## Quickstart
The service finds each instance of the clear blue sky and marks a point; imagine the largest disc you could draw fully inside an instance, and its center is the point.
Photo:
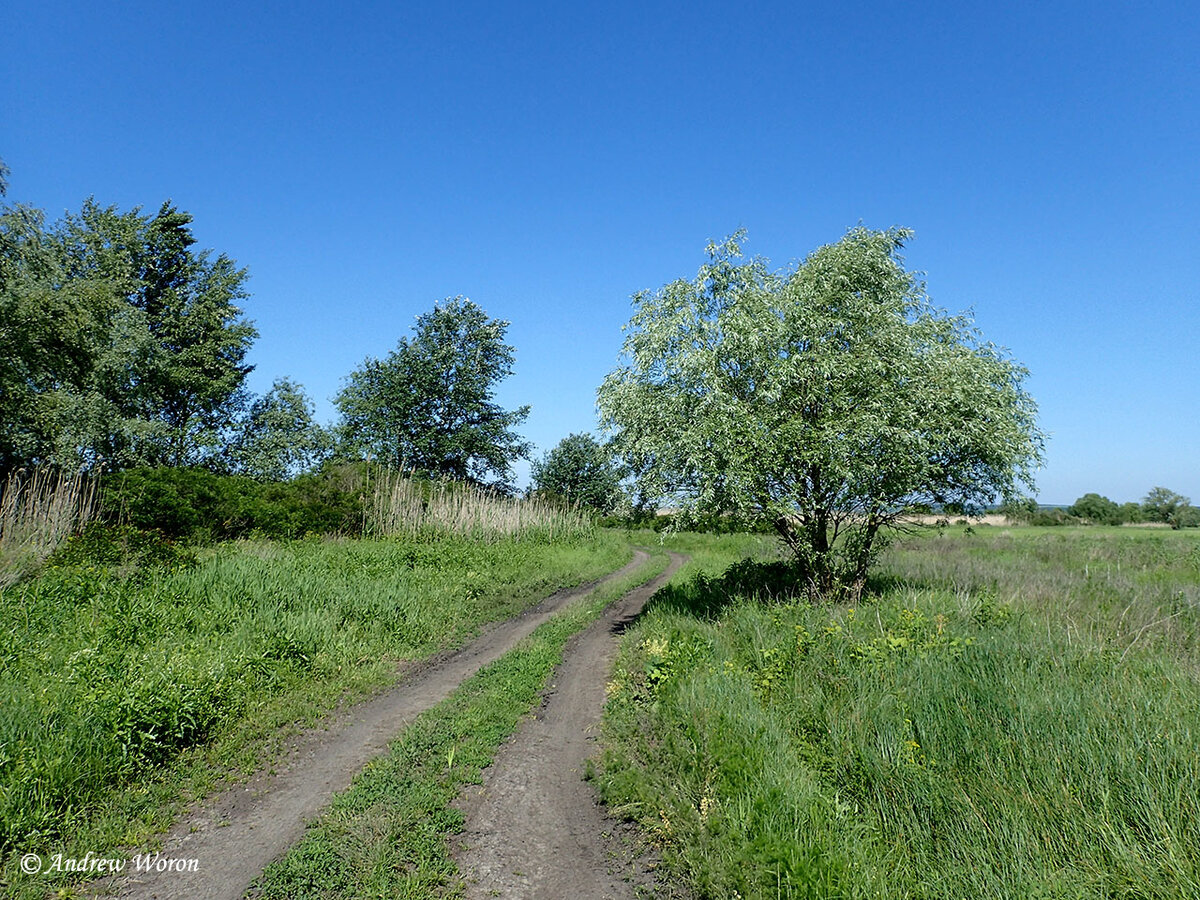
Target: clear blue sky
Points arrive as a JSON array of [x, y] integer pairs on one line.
[[548, 160]]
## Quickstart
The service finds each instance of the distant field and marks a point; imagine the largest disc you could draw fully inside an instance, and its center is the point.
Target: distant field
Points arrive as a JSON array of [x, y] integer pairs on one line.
[[1014, 713]]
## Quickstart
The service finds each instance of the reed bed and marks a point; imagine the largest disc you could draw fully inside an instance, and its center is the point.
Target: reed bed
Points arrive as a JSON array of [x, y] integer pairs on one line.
[[408, 507], [38, 511]]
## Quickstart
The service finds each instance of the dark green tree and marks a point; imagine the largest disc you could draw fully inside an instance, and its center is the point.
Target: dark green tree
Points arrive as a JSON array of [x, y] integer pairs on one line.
[[1163, 505], [118, 343], [1131, 512], [279, 438], [1097, 509], [1176, 510], [429, 405], [580, 470], [186, 390]]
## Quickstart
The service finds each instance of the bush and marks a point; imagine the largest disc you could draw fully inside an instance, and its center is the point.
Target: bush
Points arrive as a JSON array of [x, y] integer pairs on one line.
[[198, 506], [103, 544]]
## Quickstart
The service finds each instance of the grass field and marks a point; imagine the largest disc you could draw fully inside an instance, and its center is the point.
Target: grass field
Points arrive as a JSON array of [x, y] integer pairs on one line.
[[122, 694], [1014, 713]]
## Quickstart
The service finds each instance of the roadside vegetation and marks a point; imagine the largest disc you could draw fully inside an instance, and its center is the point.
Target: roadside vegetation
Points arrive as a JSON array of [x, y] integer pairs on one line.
[[389, 834], [121, 660], [1006, 713]]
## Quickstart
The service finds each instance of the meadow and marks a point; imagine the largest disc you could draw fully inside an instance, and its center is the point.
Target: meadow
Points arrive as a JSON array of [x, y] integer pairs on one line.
[[127, 686], [1011, 713]]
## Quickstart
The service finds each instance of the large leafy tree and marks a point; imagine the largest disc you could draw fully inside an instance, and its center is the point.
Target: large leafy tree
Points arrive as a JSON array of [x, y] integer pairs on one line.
[[120, 342], [1164, 505], [580, 470], [429, 405], [279, 438], [824, 399], [1096, 508]]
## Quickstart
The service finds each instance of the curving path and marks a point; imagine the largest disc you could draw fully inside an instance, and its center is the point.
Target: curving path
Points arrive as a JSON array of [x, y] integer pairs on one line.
[[234, 835]]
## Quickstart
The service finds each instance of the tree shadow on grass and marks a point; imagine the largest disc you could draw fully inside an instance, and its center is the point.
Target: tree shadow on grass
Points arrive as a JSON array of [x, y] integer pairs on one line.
[[706, 597], [776, 582]]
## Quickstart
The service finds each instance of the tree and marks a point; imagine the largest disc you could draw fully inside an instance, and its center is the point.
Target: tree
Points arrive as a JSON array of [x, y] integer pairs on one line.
[[279, 439], [1130, 512], [429, 405], [118, 343], [187, 388], [823, 399], [580, 470], [1162, 505], [1097, 509]]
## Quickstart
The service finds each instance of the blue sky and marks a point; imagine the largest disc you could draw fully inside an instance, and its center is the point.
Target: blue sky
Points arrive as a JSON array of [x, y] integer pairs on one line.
[[548, 160]]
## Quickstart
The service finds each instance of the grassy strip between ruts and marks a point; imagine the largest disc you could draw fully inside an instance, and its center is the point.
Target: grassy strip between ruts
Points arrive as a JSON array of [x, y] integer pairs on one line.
[[988, 724], [388, 834], [124, 698]]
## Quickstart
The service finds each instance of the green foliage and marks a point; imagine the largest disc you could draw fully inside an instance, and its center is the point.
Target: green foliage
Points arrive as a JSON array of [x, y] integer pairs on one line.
[[1131, 512], [279, 439], [1052, 517], [199, 506], [1186, 516], [104, 677], [1020, 510], [1162, 505], [389, 834], [119, 344], [1012, 717], [428, 406], [825, 400], [121, 547], [579, 470], [1096, 509]]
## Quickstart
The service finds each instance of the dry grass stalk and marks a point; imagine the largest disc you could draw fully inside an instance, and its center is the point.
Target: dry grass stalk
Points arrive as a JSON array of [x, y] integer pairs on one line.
[[401, 505], [38, 511]]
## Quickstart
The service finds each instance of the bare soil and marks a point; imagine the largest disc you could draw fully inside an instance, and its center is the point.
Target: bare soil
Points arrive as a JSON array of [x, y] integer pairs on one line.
[[235, 834], [534, 828]]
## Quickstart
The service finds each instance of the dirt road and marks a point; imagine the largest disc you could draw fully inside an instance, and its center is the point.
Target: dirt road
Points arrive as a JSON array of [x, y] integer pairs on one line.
[[534, 829], [234, 835]]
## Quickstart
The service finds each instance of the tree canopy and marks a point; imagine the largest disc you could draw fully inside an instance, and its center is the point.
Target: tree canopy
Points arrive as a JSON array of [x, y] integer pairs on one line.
[[429, 405], [279, 438], [1096, 508], [824, 399], [580, 470], [119, 343]]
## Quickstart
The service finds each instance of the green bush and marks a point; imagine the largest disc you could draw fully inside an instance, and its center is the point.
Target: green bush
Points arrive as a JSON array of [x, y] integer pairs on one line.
[[104, 544], [198, 506]]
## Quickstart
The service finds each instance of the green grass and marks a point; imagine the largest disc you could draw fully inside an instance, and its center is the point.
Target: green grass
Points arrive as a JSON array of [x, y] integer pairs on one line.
[[121, 697], [388, 835], [1015, 714]]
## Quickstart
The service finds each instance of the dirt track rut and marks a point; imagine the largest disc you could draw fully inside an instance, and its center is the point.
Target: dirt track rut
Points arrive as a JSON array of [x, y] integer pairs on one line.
[[234, 835], [534, 829]]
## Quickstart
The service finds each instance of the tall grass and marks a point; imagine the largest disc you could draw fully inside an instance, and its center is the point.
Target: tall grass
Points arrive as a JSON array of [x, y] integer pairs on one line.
[[408, 507], [105, 678], [1115, 588], [967, 732], [38, 511]]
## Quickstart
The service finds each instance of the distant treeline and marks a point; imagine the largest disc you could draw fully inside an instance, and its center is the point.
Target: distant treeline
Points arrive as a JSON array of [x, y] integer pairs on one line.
[[1159, 507]]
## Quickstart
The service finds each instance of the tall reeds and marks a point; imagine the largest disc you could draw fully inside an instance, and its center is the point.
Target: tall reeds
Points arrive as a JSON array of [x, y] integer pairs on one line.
[[401, 505], [38, 511]]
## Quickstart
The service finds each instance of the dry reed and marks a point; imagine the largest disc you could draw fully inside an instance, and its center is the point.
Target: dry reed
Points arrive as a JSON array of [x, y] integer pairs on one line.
[[38, 511], [400, 505]]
